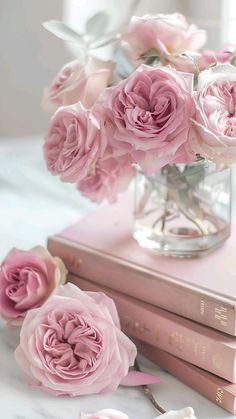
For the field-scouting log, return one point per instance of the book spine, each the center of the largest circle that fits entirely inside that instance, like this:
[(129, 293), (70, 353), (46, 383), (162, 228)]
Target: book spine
[(145, 285), (166, 331), (216, 389)]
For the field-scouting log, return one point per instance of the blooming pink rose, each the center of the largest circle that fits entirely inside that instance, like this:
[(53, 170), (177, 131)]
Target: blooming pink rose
[(215, 121), (111, 176), (192, 63), (151, 112), (104, 414), (73, 143), (27, 278), (209, 57), (76, 82), (185, 413), (73, 344), (170, 33)]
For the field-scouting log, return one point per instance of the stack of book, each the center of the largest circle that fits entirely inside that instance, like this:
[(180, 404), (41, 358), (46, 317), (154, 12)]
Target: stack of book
[(181, 312)]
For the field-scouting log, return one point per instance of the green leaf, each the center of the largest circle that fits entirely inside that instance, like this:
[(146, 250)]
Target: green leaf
[(63, 31), (97, 24), (108, 38), (150, 53)]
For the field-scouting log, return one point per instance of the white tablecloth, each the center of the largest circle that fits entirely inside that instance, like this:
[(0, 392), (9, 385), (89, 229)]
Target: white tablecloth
[(34, 204)]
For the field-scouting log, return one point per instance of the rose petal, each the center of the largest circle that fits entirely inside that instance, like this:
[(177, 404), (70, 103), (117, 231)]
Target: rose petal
[(137, 378)]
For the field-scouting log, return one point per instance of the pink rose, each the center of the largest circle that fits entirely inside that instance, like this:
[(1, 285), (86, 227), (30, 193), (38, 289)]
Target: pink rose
[(169, 33), (209, 57), (111, 176), (198, 61), (185, 413), (27, 278), (73, 344), (215, 121), (104, 414), (76, 82), (73, 143), (151, 112)]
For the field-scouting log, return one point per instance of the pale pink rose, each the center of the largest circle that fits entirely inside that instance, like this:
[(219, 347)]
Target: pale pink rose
[(27, 278), (185, 413), (209, 57), (77, 82), (151, 112), (188, 63), (169, 32), (73, 345), (197, 61), (215, 121), (111, 177), (104, 414), (73, 143)]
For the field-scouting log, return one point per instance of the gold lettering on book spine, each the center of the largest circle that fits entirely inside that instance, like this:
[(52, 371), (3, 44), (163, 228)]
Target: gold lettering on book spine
[(221, 314), (132, 325), (217, 360), (189, 344), (176, 339), (202, 307), (219, 395)]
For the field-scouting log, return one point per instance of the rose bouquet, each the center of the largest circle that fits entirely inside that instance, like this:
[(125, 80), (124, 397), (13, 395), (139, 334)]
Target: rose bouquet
[(162, 106)]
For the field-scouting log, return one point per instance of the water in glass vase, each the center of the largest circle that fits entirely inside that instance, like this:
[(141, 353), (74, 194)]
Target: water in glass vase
[(183, 210)]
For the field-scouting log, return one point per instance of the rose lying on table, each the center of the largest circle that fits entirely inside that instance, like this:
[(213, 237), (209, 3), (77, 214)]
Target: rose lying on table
[(27, 278), (186, 413), (70, 341), (73, 345)]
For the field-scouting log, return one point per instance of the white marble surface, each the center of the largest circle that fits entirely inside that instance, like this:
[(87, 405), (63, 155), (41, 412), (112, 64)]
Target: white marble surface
[(33, 205)]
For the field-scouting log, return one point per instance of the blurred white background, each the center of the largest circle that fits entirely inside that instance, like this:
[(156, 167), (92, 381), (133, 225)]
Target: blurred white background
[(30, 56)]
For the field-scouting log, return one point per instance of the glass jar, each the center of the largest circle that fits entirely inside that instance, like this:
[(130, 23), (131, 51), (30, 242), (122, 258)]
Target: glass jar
[(183, 210)]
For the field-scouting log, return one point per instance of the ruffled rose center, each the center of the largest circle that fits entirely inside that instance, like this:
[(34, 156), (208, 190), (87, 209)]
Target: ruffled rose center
[(149, 103), (25, 284), (220, 107), (71, 346)]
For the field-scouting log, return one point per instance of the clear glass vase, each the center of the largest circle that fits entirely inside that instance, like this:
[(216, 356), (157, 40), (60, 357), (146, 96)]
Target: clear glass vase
[(183, 210)]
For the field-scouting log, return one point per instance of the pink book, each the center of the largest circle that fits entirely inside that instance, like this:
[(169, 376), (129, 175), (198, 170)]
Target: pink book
[(101, 247), (204, 347), (219, 391)]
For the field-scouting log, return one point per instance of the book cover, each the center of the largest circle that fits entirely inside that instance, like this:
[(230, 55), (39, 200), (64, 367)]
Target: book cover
[(204, 347), (219, 391), (101, 247)]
